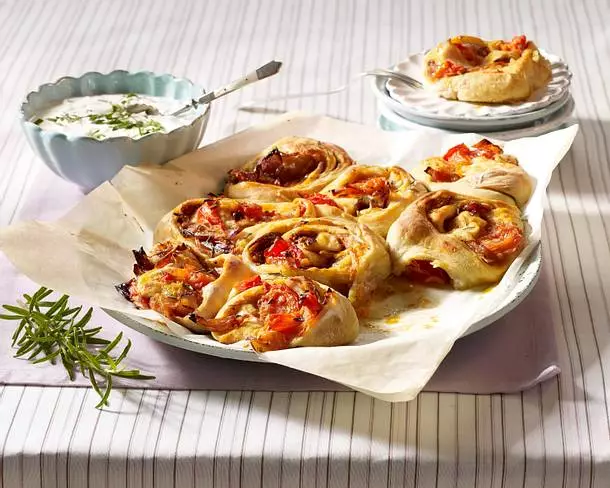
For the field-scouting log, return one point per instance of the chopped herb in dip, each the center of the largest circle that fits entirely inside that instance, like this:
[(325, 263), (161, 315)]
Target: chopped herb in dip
[(114, 115)]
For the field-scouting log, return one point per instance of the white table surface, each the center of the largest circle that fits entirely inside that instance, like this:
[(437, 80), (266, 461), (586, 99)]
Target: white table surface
[(557, 434)]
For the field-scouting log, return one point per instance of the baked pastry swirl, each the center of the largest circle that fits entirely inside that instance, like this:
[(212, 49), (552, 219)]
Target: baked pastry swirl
[(473, 70), (291, 166), (177, 282), (447, 238), (482, 166), (283, 312), (211, 225), (336, 251), (375, 195)]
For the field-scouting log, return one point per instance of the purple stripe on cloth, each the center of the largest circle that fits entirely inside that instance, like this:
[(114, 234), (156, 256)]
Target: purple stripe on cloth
[(515, 353)]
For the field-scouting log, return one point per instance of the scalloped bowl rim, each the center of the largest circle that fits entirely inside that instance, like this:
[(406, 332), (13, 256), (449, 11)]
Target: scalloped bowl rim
[(120, 139)]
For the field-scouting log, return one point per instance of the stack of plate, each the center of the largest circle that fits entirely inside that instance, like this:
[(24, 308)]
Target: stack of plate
[(405, 107)]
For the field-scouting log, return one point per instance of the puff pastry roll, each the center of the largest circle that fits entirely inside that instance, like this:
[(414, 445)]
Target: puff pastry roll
[(176, 282), (481, 166), (447, 238), (290, 166), (282, 312), (375, 195), (210, 225), (473, 70), (336, 251)]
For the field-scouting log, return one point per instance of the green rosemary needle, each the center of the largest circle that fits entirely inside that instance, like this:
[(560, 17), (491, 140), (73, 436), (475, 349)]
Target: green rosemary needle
[(51, 330)]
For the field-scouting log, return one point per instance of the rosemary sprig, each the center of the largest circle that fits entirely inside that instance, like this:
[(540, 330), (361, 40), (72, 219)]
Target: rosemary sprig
[(49, 330)]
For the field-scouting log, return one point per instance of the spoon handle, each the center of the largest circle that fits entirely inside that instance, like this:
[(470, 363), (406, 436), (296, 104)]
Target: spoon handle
[(264, 71)]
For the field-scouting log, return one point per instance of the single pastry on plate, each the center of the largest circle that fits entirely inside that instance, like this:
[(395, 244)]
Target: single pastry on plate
[(210, 225), (473, 70), (445, 238), (177, 282), (482, 166), (282, 312), (289, 167), (375, 195), (336, 251)]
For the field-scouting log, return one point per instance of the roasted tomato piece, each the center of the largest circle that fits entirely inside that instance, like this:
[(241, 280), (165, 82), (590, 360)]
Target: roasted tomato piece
[(487, 149), (249, 283), (319, 199), (209, 213), (459, 153), (443, 175), (311, 301), (422, 271), (449, 68), (282, 250), (501, 242)]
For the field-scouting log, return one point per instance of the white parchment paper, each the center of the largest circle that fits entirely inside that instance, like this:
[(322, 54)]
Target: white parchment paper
[(88, 251)]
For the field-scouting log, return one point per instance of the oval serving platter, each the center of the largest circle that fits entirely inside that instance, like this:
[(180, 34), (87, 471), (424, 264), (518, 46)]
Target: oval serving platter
[(527, 277)]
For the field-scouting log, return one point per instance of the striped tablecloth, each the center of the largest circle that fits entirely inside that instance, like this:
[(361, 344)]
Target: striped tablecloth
[(557, 434)]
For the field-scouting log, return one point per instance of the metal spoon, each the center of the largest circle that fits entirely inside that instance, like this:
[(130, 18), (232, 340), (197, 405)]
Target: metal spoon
[(263, 72)]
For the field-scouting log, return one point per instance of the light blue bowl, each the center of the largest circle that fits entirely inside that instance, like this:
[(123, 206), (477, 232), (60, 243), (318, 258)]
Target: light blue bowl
[(88, 162)]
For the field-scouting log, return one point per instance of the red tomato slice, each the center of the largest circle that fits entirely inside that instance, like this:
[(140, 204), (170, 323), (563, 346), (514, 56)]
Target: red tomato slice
[(319, 199), (282, 250), (502, 242), (444, 175), (311, 301), (249, 283), (209, 213), (458, 153)]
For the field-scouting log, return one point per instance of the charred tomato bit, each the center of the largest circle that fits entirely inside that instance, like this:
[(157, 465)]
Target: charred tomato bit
[(311, 301), (125, 289), (283, 250), (260, 245), (143, 263), (249, 283), (209, 213), (444, 175), (251, 211), (422, 271), (487, 149)]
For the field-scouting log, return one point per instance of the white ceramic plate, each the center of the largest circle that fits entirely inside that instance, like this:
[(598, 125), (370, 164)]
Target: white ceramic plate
[(427, 103), (391, 121), (468, 124), (528, 275)]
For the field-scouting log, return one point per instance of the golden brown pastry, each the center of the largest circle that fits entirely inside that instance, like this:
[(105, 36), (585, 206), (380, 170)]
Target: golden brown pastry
[(375, 195), (177, 283), (286, 169), (482, 166), (473, 70), (335, 251), (447, 238), (210, 225), (282, 312)]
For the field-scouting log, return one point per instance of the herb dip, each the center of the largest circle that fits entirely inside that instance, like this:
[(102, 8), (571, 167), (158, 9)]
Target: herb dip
[(114, 115)]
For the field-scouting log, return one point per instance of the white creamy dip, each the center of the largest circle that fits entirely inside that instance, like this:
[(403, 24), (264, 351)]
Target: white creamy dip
[(114, 115)]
